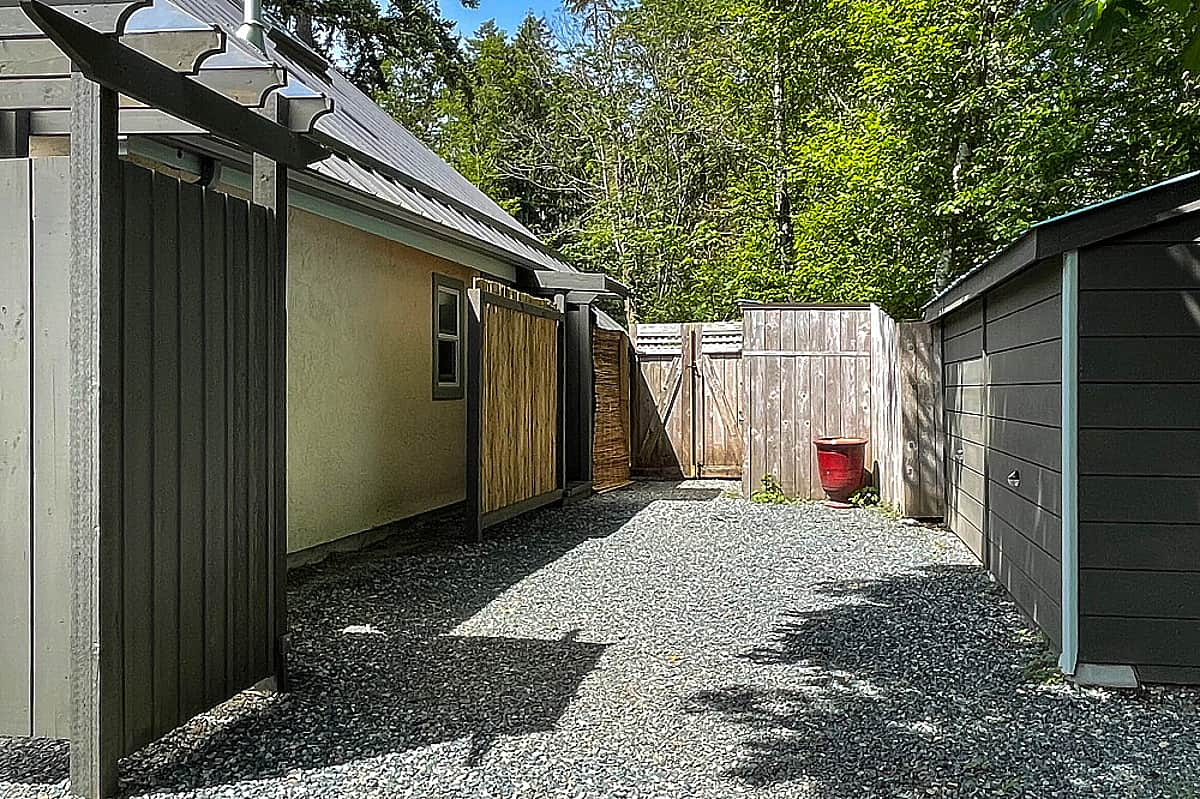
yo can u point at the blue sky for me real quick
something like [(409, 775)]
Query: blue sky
[(507, 13)]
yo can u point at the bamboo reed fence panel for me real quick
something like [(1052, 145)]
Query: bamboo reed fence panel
[(610, 445), (515, 400)]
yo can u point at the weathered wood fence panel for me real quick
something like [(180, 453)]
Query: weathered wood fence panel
[(783, 376), (808, 374), (512, 403), (686, 392), (610, 445), (188, 428), (906, 414)]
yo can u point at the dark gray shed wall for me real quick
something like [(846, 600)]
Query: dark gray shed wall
[(1139, 451), (1003, 403)]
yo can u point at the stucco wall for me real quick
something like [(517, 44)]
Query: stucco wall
[(367, 444)]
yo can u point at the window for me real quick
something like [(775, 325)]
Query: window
[(447, 338)]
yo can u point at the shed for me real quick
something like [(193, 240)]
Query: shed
[(1072, 410)]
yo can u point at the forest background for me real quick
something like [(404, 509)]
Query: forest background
[(706, 151)]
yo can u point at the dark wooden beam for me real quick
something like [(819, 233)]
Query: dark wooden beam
[(580, 390), (109, 63), (560, 304), (269, 188), (596, 284), (95, 439)]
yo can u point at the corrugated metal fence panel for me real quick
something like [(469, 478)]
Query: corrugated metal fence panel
[(16, 501), (197, 417), (807, 374)]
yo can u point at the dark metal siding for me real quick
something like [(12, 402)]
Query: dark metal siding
[(963, 381), (1023, 341), (1003, 407), (1139, 450)]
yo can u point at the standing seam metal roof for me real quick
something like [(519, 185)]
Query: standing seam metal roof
[(359, 132)]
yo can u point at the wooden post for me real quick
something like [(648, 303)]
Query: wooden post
[(580, 393), (560, 304), (95, 439), (14, 134), (270, 190), (475, 333)]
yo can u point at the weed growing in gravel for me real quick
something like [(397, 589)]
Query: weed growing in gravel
[(771, 492), (1043, 669), (868, 497)]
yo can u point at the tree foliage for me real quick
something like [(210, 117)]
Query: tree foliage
[(705, 151)]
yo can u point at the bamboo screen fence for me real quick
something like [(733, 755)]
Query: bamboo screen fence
[(610, 446), (518, 395)]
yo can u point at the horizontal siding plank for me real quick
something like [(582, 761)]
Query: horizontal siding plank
[(963, 347), (1039, 525), (1030, 442), (1040, 566), (1032, 286), (1037, 363), (1139, 452), (1138, 499), (1169, 675), (1160, 642), (965, 425), (1140, 406), (964, 399), (1136, 545), (967, 507), (1140, 266), (966, 481), (1139, 360), (963, 320), (964, 373), (968, 453), (1039, 322), (1141, 313), (967, 532), (1041, 404), (1037, 484), (1038, 606), (1144, 594)]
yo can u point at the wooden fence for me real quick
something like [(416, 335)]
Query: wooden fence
[(610, 443), (808, 374), (783, 376), (513, 404), (190, 460), (686, 395)]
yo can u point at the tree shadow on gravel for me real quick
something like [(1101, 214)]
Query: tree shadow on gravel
[(376, 668), (924, 685)]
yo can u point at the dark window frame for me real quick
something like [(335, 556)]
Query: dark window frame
[(456, 390)]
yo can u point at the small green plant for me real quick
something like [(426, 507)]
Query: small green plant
[(868, 497), (1042, 668), (770, 492)]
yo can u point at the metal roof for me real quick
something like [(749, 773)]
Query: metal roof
[(1081, 227), (373, 153)]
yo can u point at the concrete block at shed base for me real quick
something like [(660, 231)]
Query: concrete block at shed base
[(1105, 675)]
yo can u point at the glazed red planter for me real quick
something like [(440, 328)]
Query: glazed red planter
[(840, 461)]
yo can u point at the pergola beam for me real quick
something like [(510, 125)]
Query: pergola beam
[(111, 64)]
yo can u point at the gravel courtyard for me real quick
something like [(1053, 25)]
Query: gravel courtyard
[(663, 641)]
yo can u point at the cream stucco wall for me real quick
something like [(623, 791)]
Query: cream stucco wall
[(367, 443)]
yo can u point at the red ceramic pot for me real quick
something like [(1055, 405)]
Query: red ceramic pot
[(840, 461)]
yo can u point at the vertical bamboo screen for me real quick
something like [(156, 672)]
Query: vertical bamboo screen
[(519, 397), (610, 446)]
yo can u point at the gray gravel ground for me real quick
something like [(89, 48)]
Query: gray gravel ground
[(659, 642)]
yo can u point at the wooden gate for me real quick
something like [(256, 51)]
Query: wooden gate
[(687, 393), (514, 418)]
